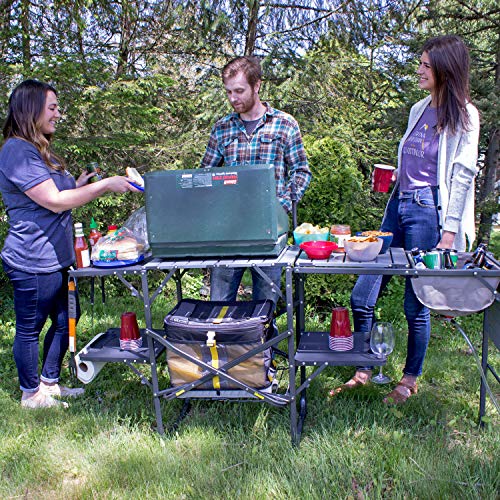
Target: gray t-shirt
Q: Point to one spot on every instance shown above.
(420, 154)
(251, 125)
(39, 240)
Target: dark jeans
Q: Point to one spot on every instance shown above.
(36, 298)
(413, 219)
(224, 283)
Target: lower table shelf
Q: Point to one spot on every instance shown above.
(313, 350)
(105, 348)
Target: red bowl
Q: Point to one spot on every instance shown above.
(318, 249)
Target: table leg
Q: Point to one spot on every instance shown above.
(491, 328)
(152, 358)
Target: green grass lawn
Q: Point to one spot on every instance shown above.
(353, 446)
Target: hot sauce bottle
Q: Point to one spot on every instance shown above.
(81, 248)
(94, 234)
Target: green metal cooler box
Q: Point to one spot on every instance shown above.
(210, 212)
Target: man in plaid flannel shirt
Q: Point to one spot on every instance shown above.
(255, 134)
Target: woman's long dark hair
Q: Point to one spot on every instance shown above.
(26, 105)
(449, 58)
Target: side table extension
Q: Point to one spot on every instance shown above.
(312, 347)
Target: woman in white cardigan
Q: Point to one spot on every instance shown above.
(432, 204)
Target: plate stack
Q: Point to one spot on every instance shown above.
(131, 345)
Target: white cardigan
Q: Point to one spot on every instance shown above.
(456, 169)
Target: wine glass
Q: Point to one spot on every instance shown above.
(382, 344)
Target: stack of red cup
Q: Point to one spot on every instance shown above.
(340, 338)
(130, 337)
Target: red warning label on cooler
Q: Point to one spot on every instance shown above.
(226, 178)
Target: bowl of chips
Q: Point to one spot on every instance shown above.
(363, 248)
(308, 232)
(384, 235)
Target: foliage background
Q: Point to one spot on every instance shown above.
(140, 85)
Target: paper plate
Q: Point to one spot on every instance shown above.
(116, 263)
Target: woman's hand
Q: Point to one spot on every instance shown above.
(447, 240)
(119, 184)
(84, 178)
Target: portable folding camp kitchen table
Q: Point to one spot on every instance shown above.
(304, 348)
(312, 347)
(108, 349)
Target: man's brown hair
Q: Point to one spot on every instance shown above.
(248, 65)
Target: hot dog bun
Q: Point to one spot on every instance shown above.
(134, 176)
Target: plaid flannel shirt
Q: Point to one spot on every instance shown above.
(276, 140)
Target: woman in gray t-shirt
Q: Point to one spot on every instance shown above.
(39, 193)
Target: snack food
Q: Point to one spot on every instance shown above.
(307, 228)
(387, 236)
(121, 245)
(363, 239)
(376, 233)
(360, 249)
(135, 176)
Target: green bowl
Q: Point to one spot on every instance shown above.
(302, 237)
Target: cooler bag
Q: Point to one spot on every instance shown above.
(217, 333)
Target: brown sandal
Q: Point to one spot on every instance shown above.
(352, 383)
(396, 397)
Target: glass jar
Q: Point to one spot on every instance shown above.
(339, 233)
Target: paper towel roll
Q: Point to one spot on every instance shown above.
(86, 371)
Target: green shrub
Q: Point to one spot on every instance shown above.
(338, 193)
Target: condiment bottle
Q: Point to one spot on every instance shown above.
(81, 248)
(94, 167)
(94, 234)
(339, 233)
(112, 228)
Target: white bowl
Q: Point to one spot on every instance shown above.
(363, 251)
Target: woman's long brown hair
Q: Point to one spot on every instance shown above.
(449, 58)
(26, 105)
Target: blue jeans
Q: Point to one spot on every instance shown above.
(413, 219)
(224, 283)
(36, 298)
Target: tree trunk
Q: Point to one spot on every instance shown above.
(487, 195)
(5, 8)
(124, 49)
(26, 39)
(253, 19)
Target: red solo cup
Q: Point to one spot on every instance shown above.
(340, 325)
(129, 328)
(382, 176)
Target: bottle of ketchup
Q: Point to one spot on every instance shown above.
(81, 248)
